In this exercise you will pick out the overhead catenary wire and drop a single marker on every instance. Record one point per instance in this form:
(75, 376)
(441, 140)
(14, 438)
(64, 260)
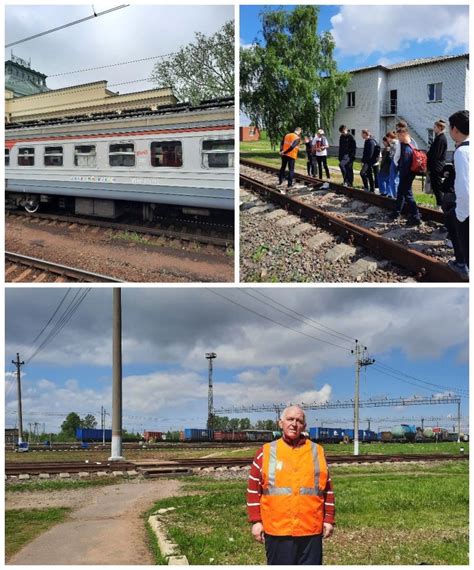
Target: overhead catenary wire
(278, 323)
(75, 22)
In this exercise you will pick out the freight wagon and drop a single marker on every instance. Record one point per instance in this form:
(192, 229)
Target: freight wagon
(88, 434)
(337, 435)
(152, 436)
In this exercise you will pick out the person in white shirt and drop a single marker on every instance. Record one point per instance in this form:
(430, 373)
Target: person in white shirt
(459, 131)
(320, 150)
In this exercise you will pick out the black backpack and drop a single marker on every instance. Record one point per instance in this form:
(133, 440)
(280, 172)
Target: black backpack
(376, 154)
(448, 199)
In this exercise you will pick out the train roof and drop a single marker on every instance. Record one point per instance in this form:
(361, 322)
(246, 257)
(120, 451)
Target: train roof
(178, 108)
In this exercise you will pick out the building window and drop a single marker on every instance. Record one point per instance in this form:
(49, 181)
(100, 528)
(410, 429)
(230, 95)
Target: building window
(7, 157)
(53, 156)
(430, 135)
(85, 156)
(26, 156)
(167, 154)
(351, 98)
(218, 154)
(122, 154)
(435, 92)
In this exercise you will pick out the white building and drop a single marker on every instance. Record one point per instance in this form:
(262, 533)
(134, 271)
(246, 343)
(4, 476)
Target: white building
(420, 91)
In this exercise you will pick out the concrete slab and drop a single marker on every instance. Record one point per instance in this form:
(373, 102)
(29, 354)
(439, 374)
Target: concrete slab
(64, 475)
(117, 473)
(362, 267)
(44, 476)
(340, 251)
(101, 474)
(276, 214)
(24, 477)
(288, 221)
(84, 474)
(319, 239)
(178, 561)
(301, 229)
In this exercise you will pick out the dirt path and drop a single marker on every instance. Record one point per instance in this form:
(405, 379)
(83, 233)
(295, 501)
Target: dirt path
(107, 530)
(128, 261)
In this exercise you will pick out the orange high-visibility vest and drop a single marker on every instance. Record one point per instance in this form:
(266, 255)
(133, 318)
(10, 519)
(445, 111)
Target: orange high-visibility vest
(294, 480)
(287, 142)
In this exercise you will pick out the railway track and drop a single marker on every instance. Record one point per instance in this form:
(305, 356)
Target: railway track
(366, 241)
(217, 234)
(21, 268)
(188, 466)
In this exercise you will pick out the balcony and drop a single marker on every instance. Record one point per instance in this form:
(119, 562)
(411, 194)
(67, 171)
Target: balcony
(389, 107)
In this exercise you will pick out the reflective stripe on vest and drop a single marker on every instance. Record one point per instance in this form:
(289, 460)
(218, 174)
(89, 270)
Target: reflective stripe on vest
(273, 490)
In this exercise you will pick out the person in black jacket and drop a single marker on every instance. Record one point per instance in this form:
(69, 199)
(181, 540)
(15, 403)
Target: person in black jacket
(309, 155)
(437, 158)
(347, 152)
(370, 159)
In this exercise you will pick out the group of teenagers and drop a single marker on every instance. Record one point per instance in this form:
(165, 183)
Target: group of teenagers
(393, 168)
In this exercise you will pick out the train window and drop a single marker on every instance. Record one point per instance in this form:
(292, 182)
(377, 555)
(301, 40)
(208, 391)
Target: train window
(166, 154)
(26, 156)
(122, 155)
(218, 153)
(7, 157)
(53, 156)
(85, 156)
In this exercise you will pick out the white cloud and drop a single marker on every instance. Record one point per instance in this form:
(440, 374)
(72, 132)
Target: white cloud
(371, 29)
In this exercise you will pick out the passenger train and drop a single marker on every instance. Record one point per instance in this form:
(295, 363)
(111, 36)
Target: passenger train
(176, 158)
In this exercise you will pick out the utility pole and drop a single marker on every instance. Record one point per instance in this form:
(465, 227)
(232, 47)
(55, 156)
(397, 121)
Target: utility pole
(368, 425)
(422, 423)
(210, 398)
(360, 362)
(18, 365)
(116, 447)
(459, 422)
(102, 423)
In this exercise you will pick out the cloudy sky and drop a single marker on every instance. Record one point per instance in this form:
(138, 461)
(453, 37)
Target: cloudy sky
(132, 33)
(266, 351)
(381, 34)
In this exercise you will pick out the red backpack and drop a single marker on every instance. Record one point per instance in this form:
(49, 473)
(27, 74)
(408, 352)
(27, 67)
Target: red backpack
(418, 161)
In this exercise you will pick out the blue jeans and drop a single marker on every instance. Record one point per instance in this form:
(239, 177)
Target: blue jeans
(294, 550)
(290, 162)
(405, 193)
(384, 184)
(393, 181)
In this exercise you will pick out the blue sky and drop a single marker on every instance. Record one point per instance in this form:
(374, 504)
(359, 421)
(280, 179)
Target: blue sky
(390, 34)
(167, 331)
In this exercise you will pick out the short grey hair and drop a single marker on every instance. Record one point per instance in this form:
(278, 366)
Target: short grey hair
(285, 411)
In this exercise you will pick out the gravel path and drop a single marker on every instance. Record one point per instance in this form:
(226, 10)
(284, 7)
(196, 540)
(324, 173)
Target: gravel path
(96, 251)
(105, 528)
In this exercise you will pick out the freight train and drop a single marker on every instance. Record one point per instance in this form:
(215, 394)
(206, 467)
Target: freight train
(192, 434)
(178, 158)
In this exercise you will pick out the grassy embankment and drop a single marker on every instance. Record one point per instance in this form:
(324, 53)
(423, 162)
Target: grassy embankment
(23, 525)
(261, 151)
(386, 514)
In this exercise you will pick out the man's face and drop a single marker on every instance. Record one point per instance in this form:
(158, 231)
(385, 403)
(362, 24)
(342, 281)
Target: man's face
(293, 423)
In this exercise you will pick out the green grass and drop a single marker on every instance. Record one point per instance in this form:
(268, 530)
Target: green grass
(129, 236)
(261, 151)
(23, 525)
(386, 514)
(61, 485)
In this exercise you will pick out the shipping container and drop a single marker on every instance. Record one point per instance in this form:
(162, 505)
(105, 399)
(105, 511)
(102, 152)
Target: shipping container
(230, 436)
(88, 434)
(192, 434)
(258, 435)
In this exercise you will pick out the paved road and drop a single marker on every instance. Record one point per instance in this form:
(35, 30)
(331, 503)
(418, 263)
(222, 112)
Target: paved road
(106, 530)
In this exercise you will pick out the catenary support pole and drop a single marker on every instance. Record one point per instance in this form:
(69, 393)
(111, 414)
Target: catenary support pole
(18, 365)
(117, 377)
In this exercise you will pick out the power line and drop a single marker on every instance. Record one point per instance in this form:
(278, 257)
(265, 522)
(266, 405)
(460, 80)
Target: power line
(277, 323)
(303, 319)
(66, 25)
(111, 65)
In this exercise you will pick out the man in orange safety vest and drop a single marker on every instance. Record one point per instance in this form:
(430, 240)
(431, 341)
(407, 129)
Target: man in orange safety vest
(289, 153)
(290, 499)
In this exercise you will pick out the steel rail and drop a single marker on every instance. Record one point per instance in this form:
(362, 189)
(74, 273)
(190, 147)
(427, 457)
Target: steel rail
(427, 214)
(425, 268)
(55, 268)
(186, 236)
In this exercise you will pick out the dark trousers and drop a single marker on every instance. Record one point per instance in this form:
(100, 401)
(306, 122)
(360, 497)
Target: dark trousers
(322, 161)
(369, 174)
(294, 550)
(458, 233)
(310, 167)
(437, 186)
(290, 162)
(347, 170)
(405, 194)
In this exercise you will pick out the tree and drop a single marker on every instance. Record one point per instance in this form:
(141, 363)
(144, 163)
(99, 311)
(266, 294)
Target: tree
(69, 426)
(244, 423)
(201, 70)
(89, 422)
(292, 79)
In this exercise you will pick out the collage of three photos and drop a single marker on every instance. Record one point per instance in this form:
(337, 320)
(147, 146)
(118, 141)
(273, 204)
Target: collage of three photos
(277, 372)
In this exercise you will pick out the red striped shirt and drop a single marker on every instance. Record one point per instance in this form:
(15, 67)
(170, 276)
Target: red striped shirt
(254, 491)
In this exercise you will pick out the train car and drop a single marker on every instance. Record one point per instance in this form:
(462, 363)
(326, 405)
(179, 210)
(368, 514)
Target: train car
(193, 434)
(230, 436)
(259, 435)
(152, 436)
(178, 158)
(326, 434)
(89, 435)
